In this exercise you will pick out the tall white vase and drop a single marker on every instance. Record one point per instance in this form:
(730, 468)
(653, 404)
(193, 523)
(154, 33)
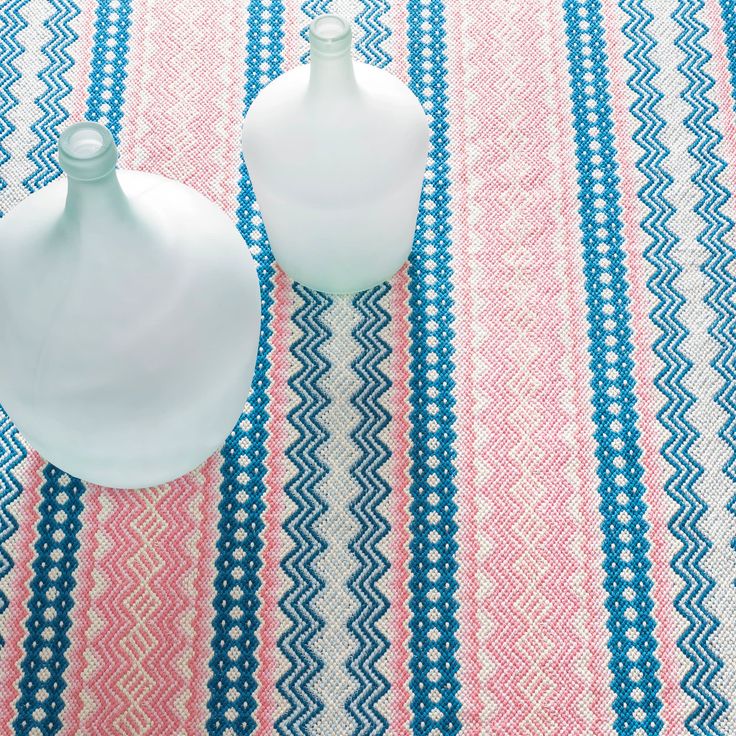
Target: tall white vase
(336, 152)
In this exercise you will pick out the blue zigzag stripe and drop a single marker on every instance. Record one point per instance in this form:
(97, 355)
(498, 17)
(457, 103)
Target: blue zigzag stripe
(700, 682)
(719, 267)
(434, 666)
(11, 24)
(690, 601)
(49, 609)
(51, 101)
(312, 8)
(44, 663)
(13, 452)
(633, 663)
(373, 526)
(372, 645)
(107, 77)
(241, 508)
(370, 19)
(299, 564)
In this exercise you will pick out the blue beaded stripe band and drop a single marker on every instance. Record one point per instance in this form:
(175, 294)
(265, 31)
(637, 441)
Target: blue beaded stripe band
(627, 582)
(235, 624)
(109, 62)
(434, 682)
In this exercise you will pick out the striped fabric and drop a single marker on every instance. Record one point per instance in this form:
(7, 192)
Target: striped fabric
(495, 496)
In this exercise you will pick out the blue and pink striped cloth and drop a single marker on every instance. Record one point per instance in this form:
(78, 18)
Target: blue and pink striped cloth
(495, 496)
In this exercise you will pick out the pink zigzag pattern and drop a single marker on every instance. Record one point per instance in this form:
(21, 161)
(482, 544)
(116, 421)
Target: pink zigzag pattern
(533, 671)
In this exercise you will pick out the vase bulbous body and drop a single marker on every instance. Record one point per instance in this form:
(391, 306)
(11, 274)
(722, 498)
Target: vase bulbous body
(129, 319)
(336, 151)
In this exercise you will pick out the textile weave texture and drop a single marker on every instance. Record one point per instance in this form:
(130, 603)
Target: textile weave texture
(495, 496)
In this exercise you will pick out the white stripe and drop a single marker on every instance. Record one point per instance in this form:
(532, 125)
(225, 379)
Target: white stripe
(26, 90)
(337, 526)
(702, 380)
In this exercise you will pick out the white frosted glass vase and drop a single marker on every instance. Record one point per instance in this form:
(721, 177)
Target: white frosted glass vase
(336, 152)
(129, 319)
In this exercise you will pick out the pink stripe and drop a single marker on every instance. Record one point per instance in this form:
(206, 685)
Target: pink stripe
(468, 506)
(184, 97)
(399, 712)
(645, 369)
(526, 659)
(143, 669)
(21, 548)
(278, 473)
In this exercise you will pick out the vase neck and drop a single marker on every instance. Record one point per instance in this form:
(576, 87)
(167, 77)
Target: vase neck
(100, 199)
(331, 73)
(87, 155)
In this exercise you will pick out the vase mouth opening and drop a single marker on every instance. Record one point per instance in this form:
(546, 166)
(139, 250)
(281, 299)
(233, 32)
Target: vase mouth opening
(87, 151)
(329, 35)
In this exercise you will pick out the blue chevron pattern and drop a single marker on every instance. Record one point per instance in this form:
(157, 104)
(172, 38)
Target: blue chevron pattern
(299, 564)
(44, 663)
(51, 101)
(690, 601)
(373, 526)
(702, 677)
(633, 664)
(11, 24)
(433, 568)
(241, 508)
(12, 452)
(106, 88)
(370, 19)
(49, 609)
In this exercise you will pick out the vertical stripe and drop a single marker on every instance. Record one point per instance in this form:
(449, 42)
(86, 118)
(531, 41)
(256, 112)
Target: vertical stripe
(719, 257)
(108, 66)
(528, 611)
(15, 584)
(373, 453)
(686, 101)
(233, 683)
(434, 684)
(25, 32)
(659, 365)
(11, 49)
(305, 623)
(42, 685)
(365, 703)
(633, 661)
(336, 643)
(12, 453)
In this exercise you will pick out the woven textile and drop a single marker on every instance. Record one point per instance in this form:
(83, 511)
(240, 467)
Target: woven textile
(495, 496)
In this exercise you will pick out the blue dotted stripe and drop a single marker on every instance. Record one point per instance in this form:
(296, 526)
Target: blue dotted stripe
(49, 610)
(233, 683)
(12, 452)
(633, 662)
(11, 24)
(434, 682)
(681, 435)
(109, 62)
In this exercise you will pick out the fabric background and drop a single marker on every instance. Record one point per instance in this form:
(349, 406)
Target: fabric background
(496, 496)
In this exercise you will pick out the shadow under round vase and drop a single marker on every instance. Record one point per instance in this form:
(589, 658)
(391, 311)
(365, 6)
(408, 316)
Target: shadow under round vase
(336, 151)
(129, 319)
